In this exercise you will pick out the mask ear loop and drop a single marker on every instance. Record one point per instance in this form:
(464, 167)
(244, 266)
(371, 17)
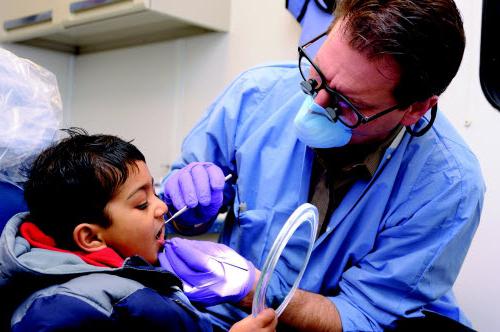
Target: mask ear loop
(426, 128)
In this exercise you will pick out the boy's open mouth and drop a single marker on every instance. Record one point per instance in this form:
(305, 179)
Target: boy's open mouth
(159, 235)
(160, 238)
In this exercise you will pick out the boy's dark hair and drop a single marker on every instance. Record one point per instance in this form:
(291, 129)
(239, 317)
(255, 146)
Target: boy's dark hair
(425, 37)
(72, 181)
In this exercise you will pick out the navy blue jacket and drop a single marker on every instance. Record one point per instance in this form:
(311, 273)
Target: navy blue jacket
(44, 290)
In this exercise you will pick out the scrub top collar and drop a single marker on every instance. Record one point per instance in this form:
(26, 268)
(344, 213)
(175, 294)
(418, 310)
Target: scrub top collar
(368, 156)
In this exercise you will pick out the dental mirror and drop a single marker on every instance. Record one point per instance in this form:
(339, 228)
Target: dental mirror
(286, 261)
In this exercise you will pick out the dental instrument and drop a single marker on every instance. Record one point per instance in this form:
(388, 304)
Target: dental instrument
(184, 209)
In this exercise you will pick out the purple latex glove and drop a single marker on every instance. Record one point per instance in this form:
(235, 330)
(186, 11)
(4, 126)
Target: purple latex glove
(199, 186)
(211, 272)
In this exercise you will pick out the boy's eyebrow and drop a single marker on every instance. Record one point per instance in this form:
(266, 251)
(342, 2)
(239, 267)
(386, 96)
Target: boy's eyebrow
(139, 189)
(135, 191)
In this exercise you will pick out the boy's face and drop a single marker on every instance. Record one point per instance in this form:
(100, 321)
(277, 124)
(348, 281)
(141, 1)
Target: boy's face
(136, 216)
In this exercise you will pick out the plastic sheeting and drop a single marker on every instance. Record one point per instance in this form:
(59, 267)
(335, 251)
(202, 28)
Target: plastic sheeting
(30, 114)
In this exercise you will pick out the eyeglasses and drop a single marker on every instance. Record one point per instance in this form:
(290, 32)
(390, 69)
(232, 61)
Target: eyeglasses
(340, 107)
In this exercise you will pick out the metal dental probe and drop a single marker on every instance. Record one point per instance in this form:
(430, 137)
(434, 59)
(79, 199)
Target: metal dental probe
(184, 209)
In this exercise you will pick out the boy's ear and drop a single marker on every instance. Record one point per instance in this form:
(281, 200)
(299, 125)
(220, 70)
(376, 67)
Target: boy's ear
(88, 237)
(417, 110)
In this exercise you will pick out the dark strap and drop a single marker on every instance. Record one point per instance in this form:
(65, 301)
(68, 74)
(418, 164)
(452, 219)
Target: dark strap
(427, 127)
(303, 11)
(328, 6)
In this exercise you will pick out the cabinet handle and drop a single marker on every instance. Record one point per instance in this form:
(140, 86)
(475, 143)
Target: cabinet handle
(24, 21)
(82, 5)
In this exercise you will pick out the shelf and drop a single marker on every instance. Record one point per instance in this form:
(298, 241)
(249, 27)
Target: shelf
(80, 27)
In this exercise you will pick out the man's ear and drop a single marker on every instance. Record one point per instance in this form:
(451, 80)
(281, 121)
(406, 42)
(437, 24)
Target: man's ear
(417, 110)
(88, 237)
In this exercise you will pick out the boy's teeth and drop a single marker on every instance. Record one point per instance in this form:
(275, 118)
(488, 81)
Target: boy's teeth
(158, 235)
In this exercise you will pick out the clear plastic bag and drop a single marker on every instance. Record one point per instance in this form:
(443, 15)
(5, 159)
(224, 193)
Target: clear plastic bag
(30, 114)
(290, 236)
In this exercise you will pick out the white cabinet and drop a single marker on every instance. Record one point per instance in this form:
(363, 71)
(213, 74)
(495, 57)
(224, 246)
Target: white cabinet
(83, 26)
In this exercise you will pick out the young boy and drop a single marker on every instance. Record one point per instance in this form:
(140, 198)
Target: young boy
(85, 257)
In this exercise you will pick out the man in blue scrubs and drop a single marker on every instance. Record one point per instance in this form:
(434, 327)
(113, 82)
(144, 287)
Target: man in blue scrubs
(356, 131)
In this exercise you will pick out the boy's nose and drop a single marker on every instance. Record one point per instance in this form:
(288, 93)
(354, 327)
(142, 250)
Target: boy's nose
(161, 208)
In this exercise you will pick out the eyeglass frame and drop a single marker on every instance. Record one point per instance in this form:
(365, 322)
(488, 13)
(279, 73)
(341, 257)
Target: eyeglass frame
(309, 87)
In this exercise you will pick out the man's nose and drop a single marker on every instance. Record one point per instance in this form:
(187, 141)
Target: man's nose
(322, 98)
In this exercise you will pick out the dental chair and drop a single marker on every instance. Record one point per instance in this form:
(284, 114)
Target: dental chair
(11, 202)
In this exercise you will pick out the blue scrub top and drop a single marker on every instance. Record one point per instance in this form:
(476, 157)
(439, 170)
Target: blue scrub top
(11, 202)
(394, 245)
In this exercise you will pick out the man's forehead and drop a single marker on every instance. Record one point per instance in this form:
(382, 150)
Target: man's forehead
(387, 65)
(352, 72)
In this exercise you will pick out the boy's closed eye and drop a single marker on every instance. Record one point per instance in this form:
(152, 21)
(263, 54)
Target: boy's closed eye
(143, 206)
(139, 197)
(139, 200)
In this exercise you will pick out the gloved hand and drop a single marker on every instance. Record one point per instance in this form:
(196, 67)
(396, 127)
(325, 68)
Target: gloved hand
(211, 272)
(199, 186)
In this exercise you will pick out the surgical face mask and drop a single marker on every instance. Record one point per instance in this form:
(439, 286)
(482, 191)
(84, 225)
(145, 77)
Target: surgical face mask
(315, 128)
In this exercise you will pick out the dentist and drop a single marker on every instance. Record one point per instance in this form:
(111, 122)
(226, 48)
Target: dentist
(356, 131)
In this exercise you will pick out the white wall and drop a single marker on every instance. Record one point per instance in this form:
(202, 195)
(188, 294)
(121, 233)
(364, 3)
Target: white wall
(155, 93)
(478, 286)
